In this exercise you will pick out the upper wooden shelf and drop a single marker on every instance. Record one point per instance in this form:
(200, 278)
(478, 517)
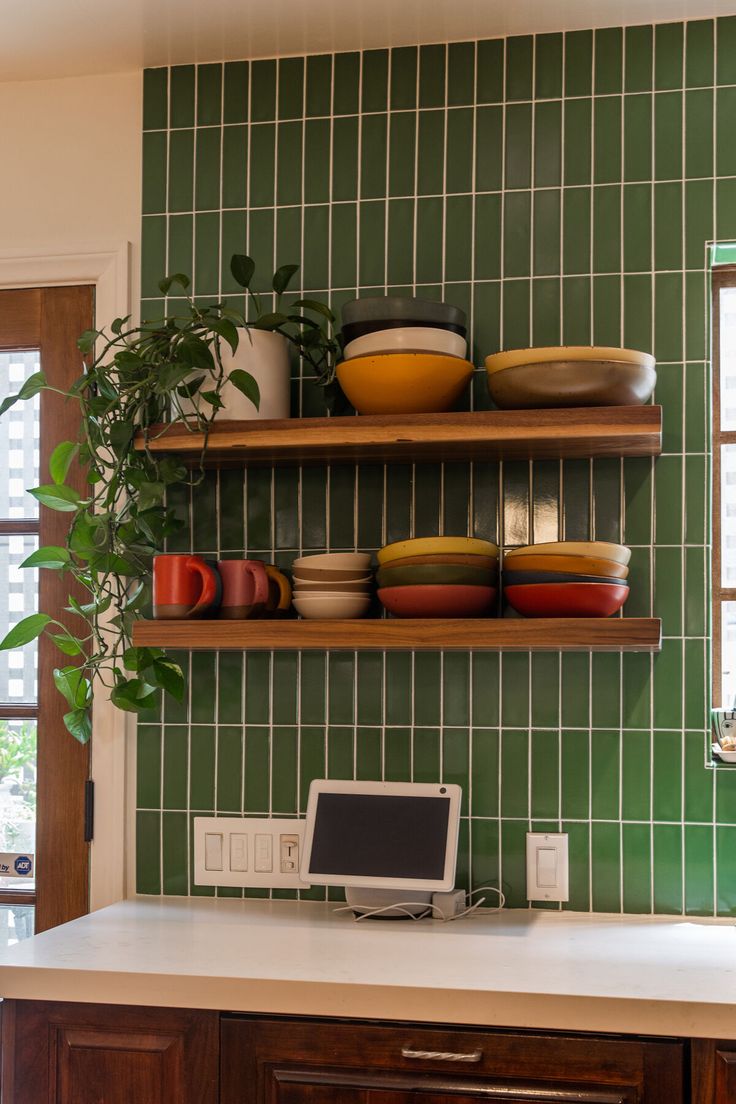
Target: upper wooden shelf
(573, 433)
(564, 634)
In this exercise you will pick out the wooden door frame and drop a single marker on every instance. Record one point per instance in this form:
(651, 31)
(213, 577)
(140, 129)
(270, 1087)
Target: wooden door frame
(107, 269)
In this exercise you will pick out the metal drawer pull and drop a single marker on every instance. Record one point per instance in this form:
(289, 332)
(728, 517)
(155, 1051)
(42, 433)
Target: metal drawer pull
(440, 1055)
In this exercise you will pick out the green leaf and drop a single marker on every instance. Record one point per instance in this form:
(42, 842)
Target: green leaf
(61, 459)
(197, 353)
(242, 268)
(227, 331)
(51, 556)
(86, 341)
(169, 677)
(57, 498)
(151, 494)
(282, 277)
(189, 390)
(213, 399)
(75, 687)
(79, 723)
(171, 375)
(247, 385)
(67, 643)
(117, 324)
(134, 695)
(316, 306)
(31, 387)
(25, 631)
(270, 321)
(139, 659)
(121, 434)
(180, 278)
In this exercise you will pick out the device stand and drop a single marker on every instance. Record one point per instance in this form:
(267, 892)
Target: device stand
(363, 901)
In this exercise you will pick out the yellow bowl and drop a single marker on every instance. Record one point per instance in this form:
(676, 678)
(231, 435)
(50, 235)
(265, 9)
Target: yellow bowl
(549, 354)
(404, 383)
(618, 552)
(427, 546)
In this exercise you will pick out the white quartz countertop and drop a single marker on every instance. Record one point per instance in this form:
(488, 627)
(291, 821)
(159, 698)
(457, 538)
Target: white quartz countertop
(537, 969)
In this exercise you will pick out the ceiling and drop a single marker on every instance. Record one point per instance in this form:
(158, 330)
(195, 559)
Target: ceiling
(41, 39)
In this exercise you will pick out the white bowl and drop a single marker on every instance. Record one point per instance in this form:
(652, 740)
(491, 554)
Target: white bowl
(341, 561)
(345, 586)
(331, 606)
(726, 756)
(408, 339)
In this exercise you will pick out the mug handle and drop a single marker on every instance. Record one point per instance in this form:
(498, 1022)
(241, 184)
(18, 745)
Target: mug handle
(208, 597)
(282, 585)
(257, 570)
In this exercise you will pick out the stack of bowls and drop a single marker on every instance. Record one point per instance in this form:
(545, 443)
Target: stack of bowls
(567, 579)
(438, 577)
(572, 375)
(403, 356)
(332, 585)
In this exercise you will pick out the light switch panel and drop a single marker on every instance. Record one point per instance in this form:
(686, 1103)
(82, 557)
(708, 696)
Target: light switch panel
(547, 867)
(248, 851)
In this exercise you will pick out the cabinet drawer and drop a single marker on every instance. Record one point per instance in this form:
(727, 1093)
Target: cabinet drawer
(305, 1061)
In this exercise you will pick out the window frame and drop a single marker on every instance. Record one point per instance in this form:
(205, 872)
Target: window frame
(722, 276)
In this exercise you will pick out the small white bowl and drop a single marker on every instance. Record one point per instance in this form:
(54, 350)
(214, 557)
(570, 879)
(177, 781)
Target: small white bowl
(408, 339)
(341, 561)
(330, 606)
(726, 756)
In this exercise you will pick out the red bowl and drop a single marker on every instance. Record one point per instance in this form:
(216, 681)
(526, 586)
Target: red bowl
(567, 599)
(438, 600)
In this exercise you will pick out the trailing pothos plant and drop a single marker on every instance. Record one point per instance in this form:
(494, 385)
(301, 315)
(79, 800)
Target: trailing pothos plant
(134, 379)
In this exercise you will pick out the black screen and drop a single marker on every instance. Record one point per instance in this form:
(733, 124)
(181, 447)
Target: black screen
(380, 836)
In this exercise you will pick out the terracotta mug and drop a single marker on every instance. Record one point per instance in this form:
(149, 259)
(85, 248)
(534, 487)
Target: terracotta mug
(183, 587)
(279, 593)
(244, 588)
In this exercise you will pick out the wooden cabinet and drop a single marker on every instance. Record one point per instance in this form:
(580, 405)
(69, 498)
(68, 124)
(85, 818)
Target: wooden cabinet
(713, 1066)
(104, 1054)
(327, 1062)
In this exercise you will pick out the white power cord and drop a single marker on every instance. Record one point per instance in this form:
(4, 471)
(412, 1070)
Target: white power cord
(429, 908)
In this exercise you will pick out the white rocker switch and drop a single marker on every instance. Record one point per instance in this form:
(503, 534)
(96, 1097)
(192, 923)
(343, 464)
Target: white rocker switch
(547, 868)
(238, 851)
(263, 862)
(213, 851)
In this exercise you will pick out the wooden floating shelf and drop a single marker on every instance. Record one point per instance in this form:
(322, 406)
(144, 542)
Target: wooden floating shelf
(618, 634)
(574, 433)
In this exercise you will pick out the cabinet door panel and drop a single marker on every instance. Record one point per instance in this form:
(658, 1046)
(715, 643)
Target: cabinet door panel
(117, 1067)
(725, 1077)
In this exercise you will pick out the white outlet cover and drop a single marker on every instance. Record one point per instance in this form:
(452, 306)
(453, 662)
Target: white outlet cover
(547, 866)
(250, 827)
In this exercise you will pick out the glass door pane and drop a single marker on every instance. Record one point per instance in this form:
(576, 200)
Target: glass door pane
(19, 437)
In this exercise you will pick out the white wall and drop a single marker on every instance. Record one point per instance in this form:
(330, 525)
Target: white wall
(71, 165)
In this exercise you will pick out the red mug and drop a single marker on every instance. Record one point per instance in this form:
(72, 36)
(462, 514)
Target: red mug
(184, 586)
(245, 589)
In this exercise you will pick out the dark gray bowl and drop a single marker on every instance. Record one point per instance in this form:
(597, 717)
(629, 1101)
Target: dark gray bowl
(410, 312)
(522, 578)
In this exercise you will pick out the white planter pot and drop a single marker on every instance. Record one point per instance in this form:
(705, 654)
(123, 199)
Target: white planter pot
(265, 356)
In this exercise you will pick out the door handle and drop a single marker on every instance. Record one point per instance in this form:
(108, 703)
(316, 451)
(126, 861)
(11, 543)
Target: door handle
(440, 1055)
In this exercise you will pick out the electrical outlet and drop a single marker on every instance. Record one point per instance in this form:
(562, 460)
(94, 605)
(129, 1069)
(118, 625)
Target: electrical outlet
(248, 851)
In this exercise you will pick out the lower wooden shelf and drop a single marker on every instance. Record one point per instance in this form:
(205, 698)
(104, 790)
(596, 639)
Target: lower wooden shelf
(565, 634)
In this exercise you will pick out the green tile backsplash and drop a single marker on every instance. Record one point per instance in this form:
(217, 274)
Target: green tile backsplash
(558, 188)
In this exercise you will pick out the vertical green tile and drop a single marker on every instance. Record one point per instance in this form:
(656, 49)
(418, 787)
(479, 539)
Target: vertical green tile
(202, 768)
(432, 61)
(608, 60)
(256, 771)
(605, 689)
(319, 80)
(668, 667)
(155, 98)
(605, 774)
(668, 226)
(491, 68)
(607, 153)
(547, 143)
(636, 691)
(230, 688)
(515, 689)
(579, 844)
(485, 854)
(545, 777)
(575, 689)
(726, 64)
(638, 312)
(397, 754)
(373, 155)
(181, 170)
(667, 868)
(638, 50)
(317, 146)
(576, 222)
(636, 773)
(154, 172)
(174, 843)
(404, 62)
(519, 67)
(607, 210)
(485, 689)
(517, 231)
(148, 850)
(578, 130)
(548, 66)
(263, 91)
(668, 136)
(699, 133)
(637, 227)
(290, 88)
(668, 55)
(636, 861)
(698, 870)
(174, 767)
(459, 170)
(513, 860)
(605, 851)
(289, 177)
(401, 241)
(726, 870)
(345, 159)
(207, 178)
(668, 589)
(234, 166)
(229, 779)
(257, 682)
(181, 96)
(546, 312)
(148, 766)
(458, 243)
(578, 63)
(699, 50)
(518, 152)
(514, 774)
(235, 92)
(576, 292)
(344, 245)
(375, 80)
(262, 163)
(638, 150)
(575, 774)
(456, 689)
(667, 782)
(460, 73)
(209, 94)
(489, 149)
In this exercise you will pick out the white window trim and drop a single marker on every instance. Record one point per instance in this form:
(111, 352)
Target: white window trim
(108, 271)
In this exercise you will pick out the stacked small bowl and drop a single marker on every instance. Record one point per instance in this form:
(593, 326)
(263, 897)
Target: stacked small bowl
(403, 355)
(438, 577)
(332, 585)
(567, 579)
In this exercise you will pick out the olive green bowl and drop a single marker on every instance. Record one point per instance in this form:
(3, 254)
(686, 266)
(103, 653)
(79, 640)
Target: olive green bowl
(572, 383)
(433, 574)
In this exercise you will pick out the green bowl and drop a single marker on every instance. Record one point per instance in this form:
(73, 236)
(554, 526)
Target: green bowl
(435, 574)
